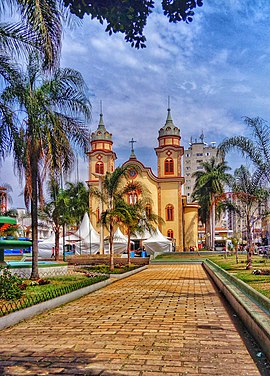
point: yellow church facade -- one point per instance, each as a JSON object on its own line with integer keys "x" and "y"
{"x": 180, "y": 218}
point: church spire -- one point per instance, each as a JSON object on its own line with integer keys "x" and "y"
{"x": 101, "y": 122}
{"x": 169, "y": 116}
{"x": 169, "y": 129}
{"x": 101, "y": 133}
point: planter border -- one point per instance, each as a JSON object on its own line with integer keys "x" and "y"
{"x": 252, "y": 307}
{"x": 26, "y": 313}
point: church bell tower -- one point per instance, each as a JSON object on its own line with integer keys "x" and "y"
{"x": 169, "y": 151}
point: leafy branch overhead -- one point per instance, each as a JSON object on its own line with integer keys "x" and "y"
{"x": 130, "y": 16}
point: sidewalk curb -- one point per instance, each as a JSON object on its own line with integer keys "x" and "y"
{"x": 251, "y": 306}
{"x": 26, "y": 313}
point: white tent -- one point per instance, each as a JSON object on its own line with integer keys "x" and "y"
{"x": 119, "y": 242}
{"x": 90, "y": 239}
{"x": 138, "y": 236}
{"x": 157, "y": 243}
{"x": 86, "y": 240}
{"x": 46, "y": 245}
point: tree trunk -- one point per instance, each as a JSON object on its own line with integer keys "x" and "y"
{"x": 128, "y": 248}
{"x": 236, "y": 253}
{"x": 249, "y": 244}
{"x": 111, "y": 246}
{"x": 213, "y": 223}
{"x": 34, "y": 218}
{"x": 207, "y": 231}
{"x": 57, "y": 242}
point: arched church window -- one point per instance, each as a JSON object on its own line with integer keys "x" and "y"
{"x": 170, "y": 233}
{"x": 99, "y": 169}
{"x": 169, "y": 166}
{"x": 132, "y": 198}
{"x": 169, "y": 213}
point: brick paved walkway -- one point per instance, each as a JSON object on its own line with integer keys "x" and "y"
{"x": 167, "y": 320}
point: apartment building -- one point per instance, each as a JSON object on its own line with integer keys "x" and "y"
{"x": 197, "y": 152}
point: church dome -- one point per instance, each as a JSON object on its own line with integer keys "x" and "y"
{"x": 101, "y": 133}
{"x": 169, "y": 129}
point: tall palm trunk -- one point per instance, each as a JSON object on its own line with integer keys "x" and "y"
{"x": 111, "y": 245}
{"x": 207, "y": 231}
{"x": 57, "y": 241}
{"x": 34, "y": 216}
{"x": 128, "y": 247}
{"x": 213, "y": 223}
{"x": 249, "y": 243}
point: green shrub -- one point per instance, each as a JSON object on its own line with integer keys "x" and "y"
{"x": 9, "y": 285}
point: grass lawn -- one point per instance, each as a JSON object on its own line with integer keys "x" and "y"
{"x": 260, "y": 283}
{"x": 34, "y": 292}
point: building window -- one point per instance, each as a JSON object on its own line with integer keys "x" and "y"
{"x": 170, "y": 233}
{"x": 99, "y": 168}
{"x": 169, "y": 166}
{"x": 148, "y": 210}
{"x": 169, "y": 212}
{"x": 97, "y": 214}
{"x": 132, "y": 198}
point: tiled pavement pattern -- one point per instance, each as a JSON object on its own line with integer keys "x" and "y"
{"x": 166, "y": 320}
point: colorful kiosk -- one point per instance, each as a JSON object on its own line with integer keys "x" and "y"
{"x": 6, "y": 243}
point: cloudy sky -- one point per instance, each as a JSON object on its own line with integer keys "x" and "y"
{"x": 216, "y": 70}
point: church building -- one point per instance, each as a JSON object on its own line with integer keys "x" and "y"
{"x": 180, "y": 217}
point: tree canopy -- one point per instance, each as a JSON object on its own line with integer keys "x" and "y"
{"x": 130, "y": 16}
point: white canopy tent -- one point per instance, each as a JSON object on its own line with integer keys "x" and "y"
{"x": 86, "y": 240}
{"x": 138, "y": 236}
{"x": 119, "y": 242}
{"x": 90, "y": 239}
{"x": 157, "y": 243}
{"x": 46, "y": 245}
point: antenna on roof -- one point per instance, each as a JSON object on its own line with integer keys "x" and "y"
{"x": 202, "y": 137}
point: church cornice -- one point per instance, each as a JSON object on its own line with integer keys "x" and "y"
{"x": 151, "y": 175}
{"x": 176, "y": 148}
{"x": 98, "y": 151}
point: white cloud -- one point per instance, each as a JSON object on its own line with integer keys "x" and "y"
{"x": 215, "y": 69}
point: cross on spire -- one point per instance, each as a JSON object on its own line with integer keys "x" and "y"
{"x": 132, "y": 142}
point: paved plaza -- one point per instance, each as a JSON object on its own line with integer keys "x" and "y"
{"x": 166, "y": 320}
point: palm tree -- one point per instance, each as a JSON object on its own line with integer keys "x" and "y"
{"x": 256, "y": 148}
{"x": 50, "y": 122}
{"x": 111, "y": 191}
{"x": 77, "y": 203}
{"x": 209, "y": 185}
{"x": 39, "y": 28}
{"x": 249, "y": 198}
{"x": 54, "y": 210}
{"x": 135, "y": 219}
